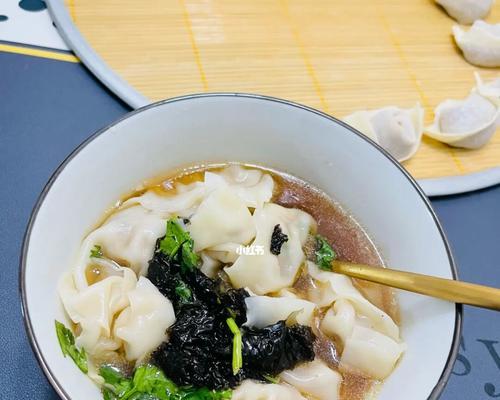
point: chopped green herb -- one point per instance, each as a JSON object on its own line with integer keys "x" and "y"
{"x": 272, "y": 379}
{"x": 178, "y": 243}
{"x": 237, "y": 345}
{"x": 67, "y": 342}
{"x": 149, "y": 383}
{"x": 204, "y": 394}
{"x": 96, "y": 252}
{"x": 324, "y": 254}
{"x": 151, "y": 380}
{"x": 183, "y": 291}
{"x": 116, "y": 384}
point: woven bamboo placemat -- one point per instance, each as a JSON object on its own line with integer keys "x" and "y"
{"x": 338, "y": 56}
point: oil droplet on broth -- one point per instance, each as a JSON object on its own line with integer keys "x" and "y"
{"x": 94, "y": 274}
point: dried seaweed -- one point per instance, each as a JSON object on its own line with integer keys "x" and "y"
{"x": 278, "y": 238}
{"x": 199, "y": 350}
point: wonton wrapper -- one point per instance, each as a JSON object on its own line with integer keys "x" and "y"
{"x": 129, "y": 236}
{"x": 142, "y": 326}
{"x": 209, "y": 266}
{"x": 252, "y": 186}
{"x": 480, "y": 44}
{"x": 266, "y": 273}
{"x": 94, "y": 308}
{"x": 221, "y": 218}
{"x": 264, "y": 310}
{"x": 316, "y": 379}
{"x": 371, "y": 352}
{"x": 397, "y": 130}
{"x": 180, "y": 203}
{"x": 466, "y": 11}
{"x": 365, "y": 349}
{"x": 468, "y": 123}
{"x": 250, "y": 390}
{"x": 341, "y": 287}
{"x": 339, "y": 320}
{"x": 142, "y": 314}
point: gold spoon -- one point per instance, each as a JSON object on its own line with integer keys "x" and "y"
{"x": 446, "y": 289}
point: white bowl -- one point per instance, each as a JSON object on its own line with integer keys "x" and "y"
{"x": 258, "y": 130}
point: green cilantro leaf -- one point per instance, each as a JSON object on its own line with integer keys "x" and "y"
{"x": 67, "y": 343}
{"x": 149, "y": 383}
{"x": 178, "y": 243}
{"x": 324, "y": 254}
{"x": 183, "y": 291}
{"x": 96, "y": 252}
{"x": 151, "y": 380}
{"x": 203, "y": 394}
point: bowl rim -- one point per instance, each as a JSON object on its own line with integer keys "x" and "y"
{"x": 445, "y": 375}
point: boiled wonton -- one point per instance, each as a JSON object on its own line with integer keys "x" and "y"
{"x": 316, "y": 379}
{"x": 266, "y": 272}
{"x": 129, "y": 235}
{"x": 250, "y": 390}
{"x": 143, "y": 325}
{"x": 264, "y": 310}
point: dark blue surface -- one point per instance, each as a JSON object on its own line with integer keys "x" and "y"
{"x": 472, "y": 225}
{"x": 47, "y": 108}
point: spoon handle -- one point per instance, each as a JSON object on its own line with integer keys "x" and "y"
{"x": 446, "y": 289}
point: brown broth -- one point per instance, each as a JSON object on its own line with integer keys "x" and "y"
{"x": 347, "y": 237}
{"x": 94, "y": 274}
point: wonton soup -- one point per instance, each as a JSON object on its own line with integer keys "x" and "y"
{"x": 216, "y": 283}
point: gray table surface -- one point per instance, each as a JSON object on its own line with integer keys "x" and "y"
{"x": 48, "y": 107}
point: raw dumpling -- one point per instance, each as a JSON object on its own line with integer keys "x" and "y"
{"x": 264, "y": 310}
{"x": 480, "y": 44}
{"x": 94, "y": 308}
{"x": 250, "y": 390}
{"x": 466, "y": 11}
{"x": 342, "y": 288}
{"x": 314, "y": 379}
{"x": 221, "y": 218}
{"x": 143, "y": 325}
{"x": 252, "y": 185}
{"x": 128, "y": 235}
{"x": 264, "y": 272}
{"x": 397, "y": 130}
{"x": 370, "y": 352}
{"x": 468, "y": 123}
{"x": 489, "y": 90}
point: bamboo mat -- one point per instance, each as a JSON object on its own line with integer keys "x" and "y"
{"x": 335, "y": 55}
